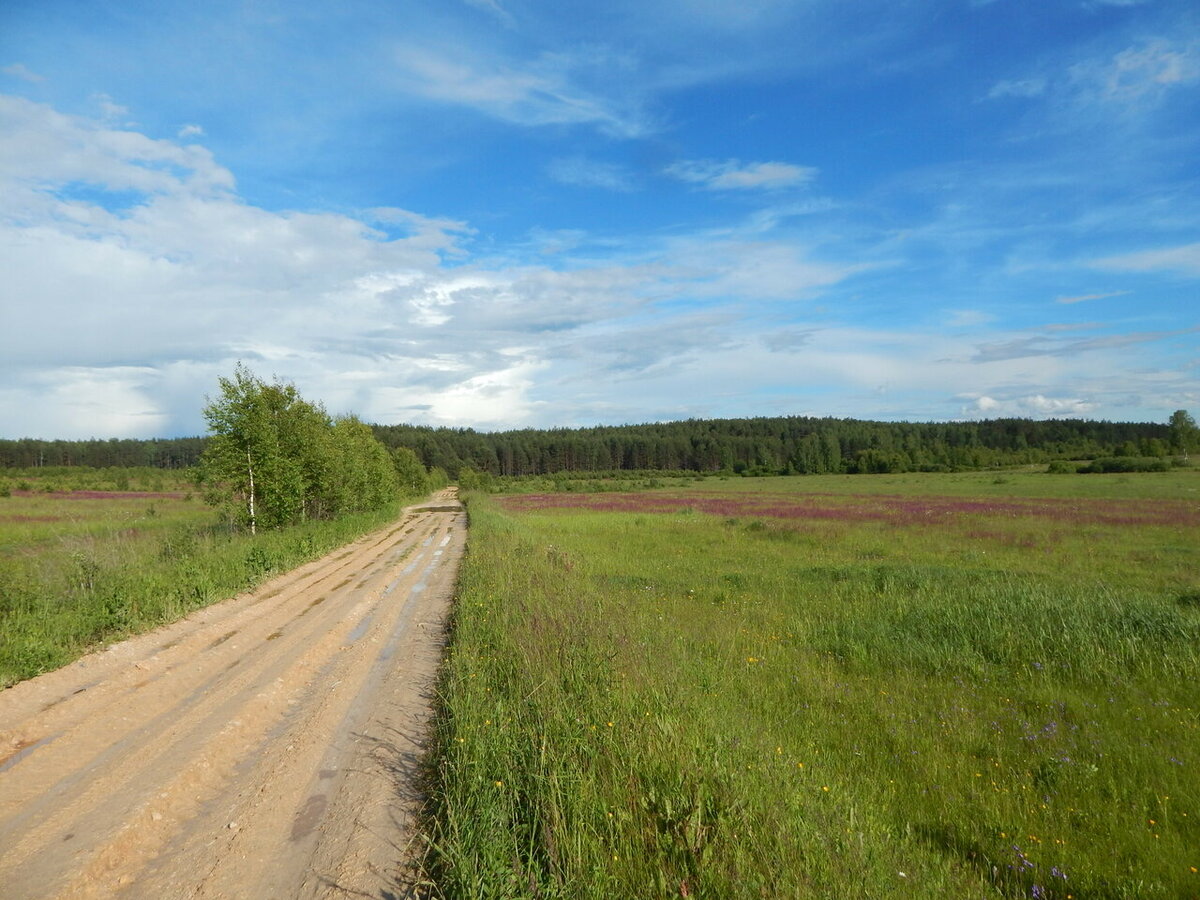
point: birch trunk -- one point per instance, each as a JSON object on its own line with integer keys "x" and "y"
{"x": 250, "y": 469}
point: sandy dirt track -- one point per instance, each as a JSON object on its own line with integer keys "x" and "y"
{"x": 263, "y": 747}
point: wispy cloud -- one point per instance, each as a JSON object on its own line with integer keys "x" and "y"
{"x": 579, "y": 170}
{"x": 551, "y": 89}
{"x": 968, "y": 318}
{"x": 1140, "y": 72}
{"x": 1184, "y": 259}
{"x": 493, "y": 8}
{"x": 110, "y": 109}
{"x": 733, "y": 174}
{"x": 1027, "y": 87}
{"x": 1038, "y": 345}
{"x": 1080, "y": 298}
{"x": 22, "y": 71}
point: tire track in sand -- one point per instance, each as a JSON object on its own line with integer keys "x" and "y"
{"x": 262, "y": 747}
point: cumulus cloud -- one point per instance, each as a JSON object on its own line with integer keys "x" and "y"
{"x": 733, "y": 174}
{"x": 135, "y": 274}
{"x": 1036, "y": 406}
{"x": 127, "y": 257}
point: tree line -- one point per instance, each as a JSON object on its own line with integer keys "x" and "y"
{"x": 791, "y": 445}
{"x": 121, "y": 453}
{"x": 752, "y": 446}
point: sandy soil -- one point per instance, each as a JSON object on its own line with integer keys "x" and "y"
{"x": 264, "y": 747}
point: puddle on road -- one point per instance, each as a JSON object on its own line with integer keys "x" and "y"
{"x": 22, "y": 750}
{"x": 361, "y": 628}
{"x": 222, "y": 639}
{"x": 309, "y": 816}
{"x": 311, "y": 605}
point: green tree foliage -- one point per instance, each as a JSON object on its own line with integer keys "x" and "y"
{"x": 1184, "y": 434}
{"x": 274, "y": 459}
{"x": 410, "y": 472}
{"x": 471, "y": 480}
{"x": 759, "y": 446}
{"x": 781, "y": 445}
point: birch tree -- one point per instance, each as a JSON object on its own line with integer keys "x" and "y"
{"x": 274, "y": 459}
{"x": 253, "y": 466}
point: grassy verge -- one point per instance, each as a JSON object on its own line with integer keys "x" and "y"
{"x": 644, "y": 704}
{"x": 80, "y": 571}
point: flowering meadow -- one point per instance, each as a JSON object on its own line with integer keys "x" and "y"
{"x": 926, "y": 685}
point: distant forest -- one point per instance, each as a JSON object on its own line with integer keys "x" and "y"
{"x": 758, "y": 446}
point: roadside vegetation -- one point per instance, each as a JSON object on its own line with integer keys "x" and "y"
{"x": 926, "y": 685}
{"x": 89, "y": 556}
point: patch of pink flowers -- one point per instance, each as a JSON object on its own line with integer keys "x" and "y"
{"x": 866, "y": 507}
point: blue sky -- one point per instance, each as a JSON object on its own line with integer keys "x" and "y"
{"x": 508, "y": 213}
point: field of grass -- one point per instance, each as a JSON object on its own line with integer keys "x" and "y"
{"x": 91, "y": 556}
{"x": 876, "y": 686}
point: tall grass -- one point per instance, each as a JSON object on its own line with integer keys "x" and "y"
{"x": 665, "y": 705}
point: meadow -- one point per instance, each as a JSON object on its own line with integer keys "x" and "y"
{"x": 89, "y": 556}
{"x": 969, "y": 685}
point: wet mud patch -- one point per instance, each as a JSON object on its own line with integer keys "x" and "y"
{"x": 309, "y": 817}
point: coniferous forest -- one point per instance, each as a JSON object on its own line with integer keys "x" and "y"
{"x": 751, "y": 446}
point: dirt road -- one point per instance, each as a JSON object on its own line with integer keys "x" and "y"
{"x": 261, "y": 748}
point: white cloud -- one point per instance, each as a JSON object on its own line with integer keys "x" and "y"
{"x": 22, "y": 71}
{"x": 741, "y": 269}
{"x": 109, "y": 108}
{"x": 498, "y": 399}
{"x": 1184, "y": 259}
{"x": 1081, "y": 298}
{"x": 585, "y": 172}
{"x": 968, "y": 318}
{"x": 131, "y": 307}
{"x": 553, "y": 89}
{"x": 1029, "y": 87}
{"x": 40, "y": 146}
{"x": 1036, "y": 406}
{"x": 1026, "y": 345}
{"x": 188, "y": 131}
{"x": 494, "y": 9}
{"x": 734, "y": 175}
{"x": 80, "y": 402}
{"x": 1139, "y": 73}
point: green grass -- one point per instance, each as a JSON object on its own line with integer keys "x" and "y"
{"x": 78, "y": 572}
{"x": 675, "y": 704}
